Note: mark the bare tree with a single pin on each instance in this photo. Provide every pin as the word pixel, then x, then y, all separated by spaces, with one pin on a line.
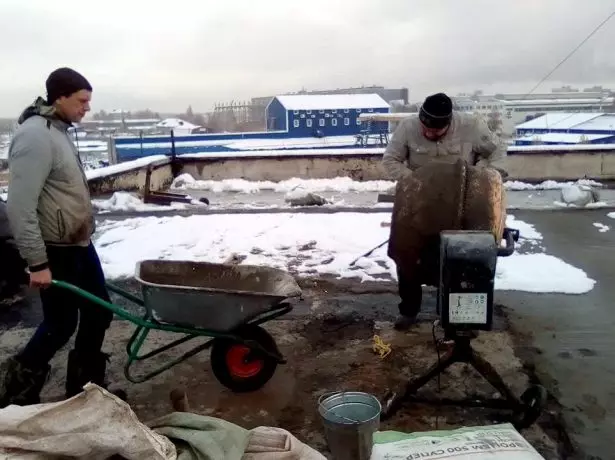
pixel 494 121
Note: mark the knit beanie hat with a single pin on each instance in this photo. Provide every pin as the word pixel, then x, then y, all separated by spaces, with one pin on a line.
pixel 64 82
pixel 437 111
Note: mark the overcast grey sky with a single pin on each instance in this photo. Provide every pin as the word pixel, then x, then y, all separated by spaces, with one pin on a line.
pixel 165 55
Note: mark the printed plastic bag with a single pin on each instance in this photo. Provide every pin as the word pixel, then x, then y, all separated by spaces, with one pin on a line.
pixel 496 442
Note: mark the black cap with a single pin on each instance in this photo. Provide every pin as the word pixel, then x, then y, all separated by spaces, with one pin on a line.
pixel 437 111
pixel 64 82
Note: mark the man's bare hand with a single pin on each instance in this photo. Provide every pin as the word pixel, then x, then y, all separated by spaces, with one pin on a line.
pixel 40 279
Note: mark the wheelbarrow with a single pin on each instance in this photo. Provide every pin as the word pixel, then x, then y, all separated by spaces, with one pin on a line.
pixel 225 303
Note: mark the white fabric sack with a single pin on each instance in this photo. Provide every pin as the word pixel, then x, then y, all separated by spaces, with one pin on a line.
pixel 267 443
pixel 93 425
pixel 496 442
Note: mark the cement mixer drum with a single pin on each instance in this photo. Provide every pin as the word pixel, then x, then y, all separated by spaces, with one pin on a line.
pixel 439 197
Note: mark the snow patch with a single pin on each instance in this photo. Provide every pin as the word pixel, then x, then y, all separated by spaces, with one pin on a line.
pixel 123 201
pixel 540 273
pixel 123 167
pixel 337 185
pixel 596 205
pixel 526 231
pixel 307 245
pixel 548 185
pixel 601 227
pixel 348 185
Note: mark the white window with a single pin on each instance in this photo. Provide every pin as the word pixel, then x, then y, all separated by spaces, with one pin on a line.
pixel 321 111
pixel 308 122
pixel 333 121
pixel 358 122
pixel 296 112
pixel 346 121
pixel 321 122
pixel 296 123
pixel 370 110
pixel 358 110
pixel 308 112
pixel 334 111
pixel 345 110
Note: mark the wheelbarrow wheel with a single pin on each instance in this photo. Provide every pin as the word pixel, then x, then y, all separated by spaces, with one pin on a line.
pixel 240 368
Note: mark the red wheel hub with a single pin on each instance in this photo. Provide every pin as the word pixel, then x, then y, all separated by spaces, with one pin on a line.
pixel 240 363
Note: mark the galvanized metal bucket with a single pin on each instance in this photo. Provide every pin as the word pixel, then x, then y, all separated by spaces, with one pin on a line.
pixel 350 419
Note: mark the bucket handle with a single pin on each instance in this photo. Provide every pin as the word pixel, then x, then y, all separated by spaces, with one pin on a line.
pixel 325 395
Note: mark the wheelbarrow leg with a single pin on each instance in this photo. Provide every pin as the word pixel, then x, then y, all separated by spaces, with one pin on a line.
pixel 136 342
pixel 133 349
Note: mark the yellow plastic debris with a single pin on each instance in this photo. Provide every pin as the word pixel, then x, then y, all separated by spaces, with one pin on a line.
pixel 381 348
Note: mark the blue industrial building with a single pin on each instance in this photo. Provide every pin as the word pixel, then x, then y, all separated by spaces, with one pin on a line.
pixel 324 115
pixel 293 122
pixel 563 128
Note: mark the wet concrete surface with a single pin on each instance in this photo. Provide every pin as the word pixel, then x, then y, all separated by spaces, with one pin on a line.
pixel 567 340
pixel 573 336
pixel 327 341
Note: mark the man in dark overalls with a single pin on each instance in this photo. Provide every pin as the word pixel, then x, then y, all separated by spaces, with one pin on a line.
pixel 436 134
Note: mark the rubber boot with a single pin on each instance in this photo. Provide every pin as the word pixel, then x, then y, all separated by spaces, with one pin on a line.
pixel 411 295
pixel 87 369
pixel 21 385
pixel 404 323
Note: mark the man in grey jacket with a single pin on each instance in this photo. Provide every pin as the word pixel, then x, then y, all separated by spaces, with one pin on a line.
pixel 437 134
pixel 50 214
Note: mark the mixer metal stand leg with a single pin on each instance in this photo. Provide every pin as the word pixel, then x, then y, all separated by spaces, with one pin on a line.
pixel 462 352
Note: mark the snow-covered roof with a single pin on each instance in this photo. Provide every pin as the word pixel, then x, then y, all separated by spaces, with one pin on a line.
pixel 559 120
pixel 176 123
pixel 532 102
pixel 393 116
pixel 332 101
pixel 119 121
pixel 604 122
pixel 564 138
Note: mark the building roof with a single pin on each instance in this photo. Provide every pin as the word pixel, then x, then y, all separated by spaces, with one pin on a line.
pixel 533 102
pixel 119 121
pixel 176 123
pixel 551 96
pixel 604 122
pixel 564 138
pixel 559 120
pixel 332 101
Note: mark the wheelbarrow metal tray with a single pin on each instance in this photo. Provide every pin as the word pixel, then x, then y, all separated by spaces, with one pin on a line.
pixel 217 297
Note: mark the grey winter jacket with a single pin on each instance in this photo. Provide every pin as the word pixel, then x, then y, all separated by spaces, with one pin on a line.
pixel 48 199
pixel 468 137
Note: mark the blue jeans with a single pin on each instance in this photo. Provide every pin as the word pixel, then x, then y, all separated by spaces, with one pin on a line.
pixel 62 310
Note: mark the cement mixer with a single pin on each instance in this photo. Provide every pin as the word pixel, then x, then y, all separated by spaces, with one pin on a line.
pixel 448 229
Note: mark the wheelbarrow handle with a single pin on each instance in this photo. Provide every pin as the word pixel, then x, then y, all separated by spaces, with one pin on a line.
pixel 94 299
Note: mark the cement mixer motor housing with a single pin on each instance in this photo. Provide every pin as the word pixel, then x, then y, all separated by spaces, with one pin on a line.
pixel 467 276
